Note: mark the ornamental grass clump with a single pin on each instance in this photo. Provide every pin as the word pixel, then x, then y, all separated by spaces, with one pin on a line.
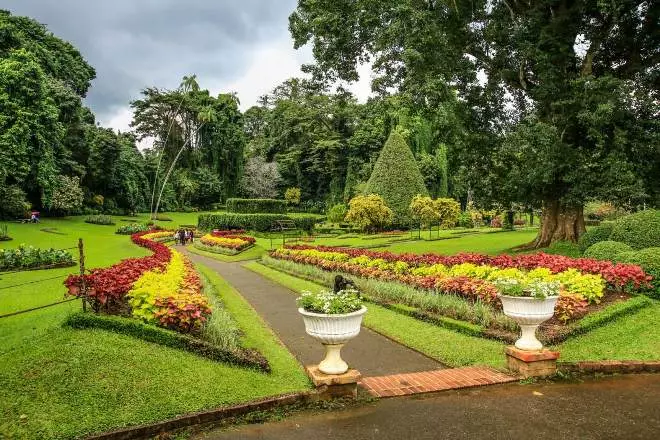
pixel 330 303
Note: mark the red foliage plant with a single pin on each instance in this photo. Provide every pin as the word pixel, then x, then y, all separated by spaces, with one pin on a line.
pixel 108 286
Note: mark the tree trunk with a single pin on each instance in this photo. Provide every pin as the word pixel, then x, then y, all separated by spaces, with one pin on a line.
pixel 559 223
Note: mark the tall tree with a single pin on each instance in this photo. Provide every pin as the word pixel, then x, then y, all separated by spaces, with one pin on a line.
pixel 570 89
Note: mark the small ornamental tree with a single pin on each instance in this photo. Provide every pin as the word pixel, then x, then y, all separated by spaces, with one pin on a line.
pixel 292 196
pixel 67 195
pixel 423 211
pixel 448 211
pixel 370 213
pixel 396 178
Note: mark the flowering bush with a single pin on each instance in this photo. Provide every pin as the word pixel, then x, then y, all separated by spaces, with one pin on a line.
pixel 533 288
pixel 330 303
pixel 30 257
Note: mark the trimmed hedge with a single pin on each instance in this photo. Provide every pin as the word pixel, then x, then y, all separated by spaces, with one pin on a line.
pixel 595 234
pixel 244 357
pixel 649 260
pixel 99 219
pixel 396 178
pixel 606 250
pixel 640 230
pixel 253 222
pixel 256 206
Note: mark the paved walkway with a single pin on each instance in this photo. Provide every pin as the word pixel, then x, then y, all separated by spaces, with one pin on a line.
pixel 370 353
pixel 624 407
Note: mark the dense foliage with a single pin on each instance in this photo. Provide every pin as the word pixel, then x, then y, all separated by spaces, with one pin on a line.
pixel 639 230
pixel 606 250
pixel 256 206
pixel 560 100
pixel 253 222
pixel 596 234
pixel 29 257
pixel 100 219
pixel 396 178
pixel 649 260
pixel 369 213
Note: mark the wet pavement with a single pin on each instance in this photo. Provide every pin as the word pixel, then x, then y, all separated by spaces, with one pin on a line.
pixel 623 407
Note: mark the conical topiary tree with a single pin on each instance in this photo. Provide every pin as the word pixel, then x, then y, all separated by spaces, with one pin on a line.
pixel 396 178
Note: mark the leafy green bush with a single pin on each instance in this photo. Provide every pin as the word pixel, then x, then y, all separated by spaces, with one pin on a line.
pixel 4 233
pixel 253 222
pixel 292 196
pixel 13 202
pixel 369 213
pixel 649 260
pixel 606 250
pixel 163 218
pixel 640 230
pixel 337 213
pixel 465 220
pixel 131 229
pixel 29 257
pixel 100 220
pixel 256 206
pixel 150 333
pixel 595 234
pixel 396 178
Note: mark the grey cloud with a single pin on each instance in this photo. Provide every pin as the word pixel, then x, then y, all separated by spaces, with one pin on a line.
pixel 138 43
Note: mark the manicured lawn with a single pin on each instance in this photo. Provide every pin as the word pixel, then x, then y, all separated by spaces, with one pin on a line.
pixel 488 243
pixel 633 337
pixel 60 383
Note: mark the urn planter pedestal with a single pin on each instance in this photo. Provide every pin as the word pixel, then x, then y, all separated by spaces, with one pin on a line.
pixel 529 313
pixel 333 331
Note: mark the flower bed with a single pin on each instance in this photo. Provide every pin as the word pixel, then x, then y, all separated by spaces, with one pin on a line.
pixel 162 288
pixel 583 281
pixel 132 228
pixel 29 257
pixel 227 240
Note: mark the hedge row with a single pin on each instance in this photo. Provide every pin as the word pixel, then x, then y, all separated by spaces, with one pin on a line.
pixel 256 206
pixel 253 222
pixel 243 357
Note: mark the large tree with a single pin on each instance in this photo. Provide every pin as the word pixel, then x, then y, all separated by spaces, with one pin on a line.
pixel 567 105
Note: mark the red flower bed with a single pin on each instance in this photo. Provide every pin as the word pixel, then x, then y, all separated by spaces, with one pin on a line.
pixel 108 286
pixel 617 276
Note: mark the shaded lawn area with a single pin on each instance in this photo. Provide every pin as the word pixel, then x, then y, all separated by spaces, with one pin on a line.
pixel 58 383
pixel 632 337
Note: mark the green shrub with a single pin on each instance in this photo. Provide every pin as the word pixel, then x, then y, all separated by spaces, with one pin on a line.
pixel 150 333
pixel 163 218
pixel 396 178
pixel 256 206
pixel 253 222
pixel 337 213
pixel 640 230
pixel 649 260
pixel 369 213
pixel 606 250
pixel 566 248
pixel 99 220
pixel 465 220
pixel 4 233
pixel 292 196
pixel 595 234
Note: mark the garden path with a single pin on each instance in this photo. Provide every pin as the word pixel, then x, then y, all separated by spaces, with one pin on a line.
pixel 370 353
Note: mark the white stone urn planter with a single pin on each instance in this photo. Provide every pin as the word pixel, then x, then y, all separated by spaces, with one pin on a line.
pixel 529 313
pixel 333 331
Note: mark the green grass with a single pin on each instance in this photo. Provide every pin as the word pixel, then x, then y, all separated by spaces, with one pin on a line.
pixel 631 337
pixel 449 347
pixel 58 383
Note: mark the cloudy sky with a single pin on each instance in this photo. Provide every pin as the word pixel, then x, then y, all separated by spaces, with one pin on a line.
pixel 232 45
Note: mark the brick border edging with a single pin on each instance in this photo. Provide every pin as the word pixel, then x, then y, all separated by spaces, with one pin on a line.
pixel 622 367
pixel 203 417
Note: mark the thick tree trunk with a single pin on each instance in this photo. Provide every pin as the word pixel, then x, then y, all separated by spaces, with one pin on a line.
pixel 559 223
